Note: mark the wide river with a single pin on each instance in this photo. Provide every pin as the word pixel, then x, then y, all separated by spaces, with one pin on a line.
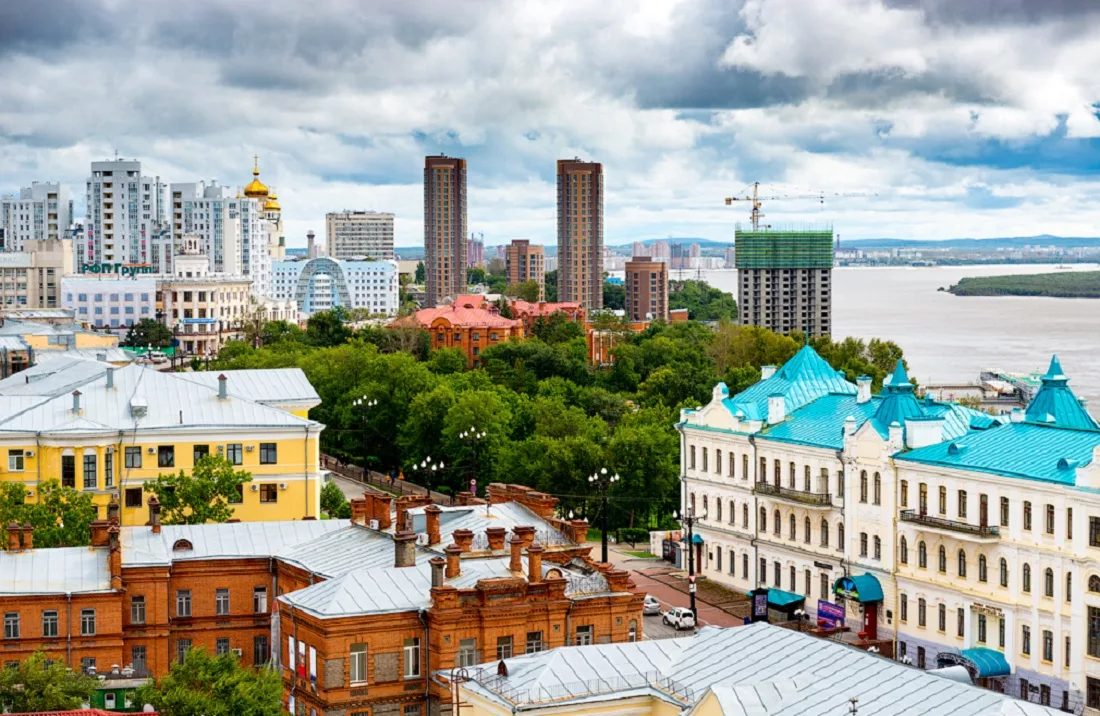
pixel 952 338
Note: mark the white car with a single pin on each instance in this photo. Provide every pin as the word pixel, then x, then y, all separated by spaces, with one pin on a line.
pixel 679 617
pixel 651 606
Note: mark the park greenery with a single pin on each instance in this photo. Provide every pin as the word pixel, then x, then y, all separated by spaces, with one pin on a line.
pixel 1067 284
pixel 37 684
pixel 534 412
pixel 205 685
pixel 703 302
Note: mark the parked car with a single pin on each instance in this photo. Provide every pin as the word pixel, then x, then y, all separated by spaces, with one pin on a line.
pixel 157 357
pixel 679 617
pixel 651 606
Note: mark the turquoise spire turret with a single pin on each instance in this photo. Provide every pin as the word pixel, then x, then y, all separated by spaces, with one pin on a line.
pixel 898 401
pixel 1055 403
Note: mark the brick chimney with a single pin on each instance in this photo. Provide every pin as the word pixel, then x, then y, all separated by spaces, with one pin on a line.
pixel 113 510
pixel 437 571
pixel 496 537
pixel 404 524
pixel 404 549
pixel 382 511
pixel 359 511
pixel 579 530
pixel 99 533
pixel 534 563
pixel 114 559
pixel 28 536
pixel 516 563
pixel 154 514
pixel 454 560
pixel 464 539
pixel 431 514
pixel 525 533
pixel 14 529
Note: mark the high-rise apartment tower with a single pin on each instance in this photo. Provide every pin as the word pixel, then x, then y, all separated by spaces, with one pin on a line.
pixel 124 211
pixel 580 232
pixel 40 212
pixel 444 227
pixel 526 262
pixel 784 280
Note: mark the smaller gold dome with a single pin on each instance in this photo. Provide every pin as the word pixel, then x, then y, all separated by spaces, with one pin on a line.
pixel 257 189
pixel 272 203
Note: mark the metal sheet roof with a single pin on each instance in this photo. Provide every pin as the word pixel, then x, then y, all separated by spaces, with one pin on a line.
pixel 801 380
pixel 268 386
pixel 477 519
pixel 142 547
pixel 1055 403
pixel 59 375
pixel 58 570
pixel 351 548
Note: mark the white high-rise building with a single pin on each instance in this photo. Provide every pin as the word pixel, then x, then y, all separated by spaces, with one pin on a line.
pixel 124 210
pixel 359 234
pixel 227 225
pixel 41 212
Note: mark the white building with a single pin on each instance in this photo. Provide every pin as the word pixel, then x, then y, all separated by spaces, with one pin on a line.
pixel 124 210
pixel 961 538
pixel 223 223
pixel 41 212
pixel 359 234
pixel 109 301
pixel 324 283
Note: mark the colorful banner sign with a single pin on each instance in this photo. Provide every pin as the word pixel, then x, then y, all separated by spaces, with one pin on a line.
pixel 831 613
pixel 119 268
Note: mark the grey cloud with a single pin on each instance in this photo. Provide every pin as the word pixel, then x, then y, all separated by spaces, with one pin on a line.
pixel 42 27
pixel 998 12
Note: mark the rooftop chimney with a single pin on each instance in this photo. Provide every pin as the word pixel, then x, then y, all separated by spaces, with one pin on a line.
pixel 496 537
pixel 534 563
pixel 114 559
pixel 863 389
pixel 777 409
pixel 154 513
pixel 464 539
pixel 454 560
pixel 525 533
pixel 14 529
pixel 404 549
pixel 437 570
pixel 223 391
pixel 99 532
pixel 1017 415
pixel 382 511
pixel 849 426
pixel 76 402
pixel 766 371
pixel 431 514
pixel 111 378
pixel 516 563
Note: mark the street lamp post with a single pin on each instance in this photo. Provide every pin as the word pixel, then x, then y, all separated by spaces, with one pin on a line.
pixel 429 468
pixel 689 519
pixel 474 437
pixel 366 404
pixel 602 480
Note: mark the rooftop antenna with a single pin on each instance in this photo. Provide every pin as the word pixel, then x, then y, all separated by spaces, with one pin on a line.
pixel 853 708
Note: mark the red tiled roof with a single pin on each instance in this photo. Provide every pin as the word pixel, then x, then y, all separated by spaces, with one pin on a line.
pixel 465 317
pixel 544 309
pixel 469 300
pixel 81 712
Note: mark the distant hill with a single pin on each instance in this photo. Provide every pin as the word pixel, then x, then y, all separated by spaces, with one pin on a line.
pixel 1015 242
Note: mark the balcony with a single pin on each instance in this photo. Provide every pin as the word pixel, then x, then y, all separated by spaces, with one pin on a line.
pixel 812 499
pixel 951 528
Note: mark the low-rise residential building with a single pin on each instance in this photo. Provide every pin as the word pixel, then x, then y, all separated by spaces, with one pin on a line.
pixel 204 309
pixel 469 325
pixel 108 302
pixel 106 431
pixel 31 278
pixel 936 533
pixel 323 284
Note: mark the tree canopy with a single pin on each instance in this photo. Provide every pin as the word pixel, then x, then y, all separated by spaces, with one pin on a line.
pixel 147 332
pixel 204 495
pixel 59 517
pixel 37 684
pixel 205 685
pixel 702 301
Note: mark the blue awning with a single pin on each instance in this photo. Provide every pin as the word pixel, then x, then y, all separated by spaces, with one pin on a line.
pixel 863 588
pixel 696 538
pixel 780 599
pixel 981 663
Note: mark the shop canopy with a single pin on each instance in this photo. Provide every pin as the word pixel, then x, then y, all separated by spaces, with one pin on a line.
pixel 696 538
pixel 863 588
pixel 781 600
pixel 981 663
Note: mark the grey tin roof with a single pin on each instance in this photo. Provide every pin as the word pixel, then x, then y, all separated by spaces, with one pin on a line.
pixel 58 570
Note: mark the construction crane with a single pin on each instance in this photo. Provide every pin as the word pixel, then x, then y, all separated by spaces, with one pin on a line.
pixel 757 200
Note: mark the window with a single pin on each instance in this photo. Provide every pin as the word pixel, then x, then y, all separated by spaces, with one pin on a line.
pixel 166 456
pixel 413 710
pixel 183 602
pixel 878 489
pixel 745 516
pixel 1069 523
pixel 744 566
pixel 1025 639
pixel 268 453
pixel 762 578
pixel 1093 646
pixel 584 635
pixel 922 555
pixel 943 500
pixel 15 461
pixel 1004 512
pixel 534 642
pixel 763 526
pixel 691 457
pixel 943 617
pixel 943 559
pixel 794 578
pixel 269 492
pixel 259 600
pixel 1094 532
pixel 903 605
pixel 133 497
pixel 793 527
pixel 11 625
pixel 109 468
pixel 68 471
pixel 878 547
pixel 137 658
pixel 840 536
pixel 1094 583
pixel 260 654
pixel 234 453
pixel 1068 652
pixel 717 462
pixel 504 647
pixel 1025 690
pixel 903 551
pixel 962 563
pixel 806 479
pixel 824 532
pixel 718 508
pixel 1069 586
pixel 981 628
pixel 1050 519
pixel 412 658
pixel 1001 633
pixel 840 483
pixel 1027 516
pixel 89 471
pixel 744 467
pixel 49 623
pixel 221 601
pixel 87 622
pixel 920 657
pixel 199 452
pixel 806 530
pixel 825 585
pixel 778 523
pixel 862 544
pixel 863 486
pixel 137 609
pixel 983 573
pixel 921 612
pixel 1004 572
pixel 357 663
pixel 632 634
pixel 1048 645
pixel 1048 583
pixel 221 646
pixel 704 459
pixel 962 504
pixel 1027 578
pixel 182 647
pixel 960 622
pixel 904 493
pixel 87 664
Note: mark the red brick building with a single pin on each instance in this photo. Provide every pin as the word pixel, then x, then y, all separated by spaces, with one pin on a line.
pixel 469 324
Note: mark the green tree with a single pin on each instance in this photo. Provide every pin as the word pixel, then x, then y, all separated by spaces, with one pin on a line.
pixel 60 517
pixel 203 496
pixel 504 308
pixel 550 286
pixel 332 499
pixel 326 328
pixel 703 302
pixel 148 332
pixel 614 296
pixel 205 685
pixel 526 290
pixel 444 361
pixel 277 331
pixel 421 274
pixel 475 275
pixel 557 328
pixel 39 684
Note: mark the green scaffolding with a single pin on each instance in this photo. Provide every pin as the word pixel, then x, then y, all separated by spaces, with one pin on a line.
pixel 811 249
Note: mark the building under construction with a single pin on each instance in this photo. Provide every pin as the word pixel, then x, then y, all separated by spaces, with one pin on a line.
pixel 784 279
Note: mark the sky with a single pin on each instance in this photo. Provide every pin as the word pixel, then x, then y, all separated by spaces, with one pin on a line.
pixel 926 119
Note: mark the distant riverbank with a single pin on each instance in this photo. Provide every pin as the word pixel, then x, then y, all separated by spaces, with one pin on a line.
pixel 1068 284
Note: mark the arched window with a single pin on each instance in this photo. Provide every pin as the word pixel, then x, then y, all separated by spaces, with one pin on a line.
pixel 878 489
pixel 704 506
pixel 718 508
pixel 691 502
pixel 962 563
pixel 943 559
pixel 863 486
pixel 745 515
pixel 922 555
pixel 718 463
pixel 903 551
pixel 806 534
pixel 1094 583
pixel 1004 572
pixel 1027 578
pixel 983 575
pixel 1048 582
pixel 806 479
pixel 718 558
pixel 791 476
pixel 733 512
pixel 794 523
pixel 763 526
pixel 181 544
pixel 633 630
pixel 825 533
pixel 777 525
pixel 840 535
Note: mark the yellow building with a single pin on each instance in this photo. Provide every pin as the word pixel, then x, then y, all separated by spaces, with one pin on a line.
pixel 106 430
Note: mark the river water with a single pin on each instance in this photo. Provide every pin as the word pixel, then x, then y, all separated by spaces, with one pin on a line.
pixel 952 338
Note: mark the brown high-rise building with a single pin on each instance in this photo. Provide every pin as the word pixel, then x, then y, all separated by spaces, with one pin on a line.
pixel 646 289
pixel 526 262
pixel 444 227
pixel 580 232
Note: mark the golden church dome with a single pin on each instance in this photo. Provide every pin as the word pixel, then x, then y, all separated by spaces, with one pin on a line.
pixel 257 189
pixel 272 203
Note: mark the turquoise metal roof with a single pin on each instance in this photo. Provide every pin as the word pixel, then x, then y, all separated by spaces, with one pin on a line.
pixel 1055 403
pixel 779 598
pixel 1031 451
pixel 987 662
pixel 803 379
pixel 863 588
pixel 898 401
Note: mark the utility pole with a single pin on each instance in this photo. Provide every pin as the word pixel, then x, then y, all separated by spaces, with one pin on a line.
pixel 603 481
